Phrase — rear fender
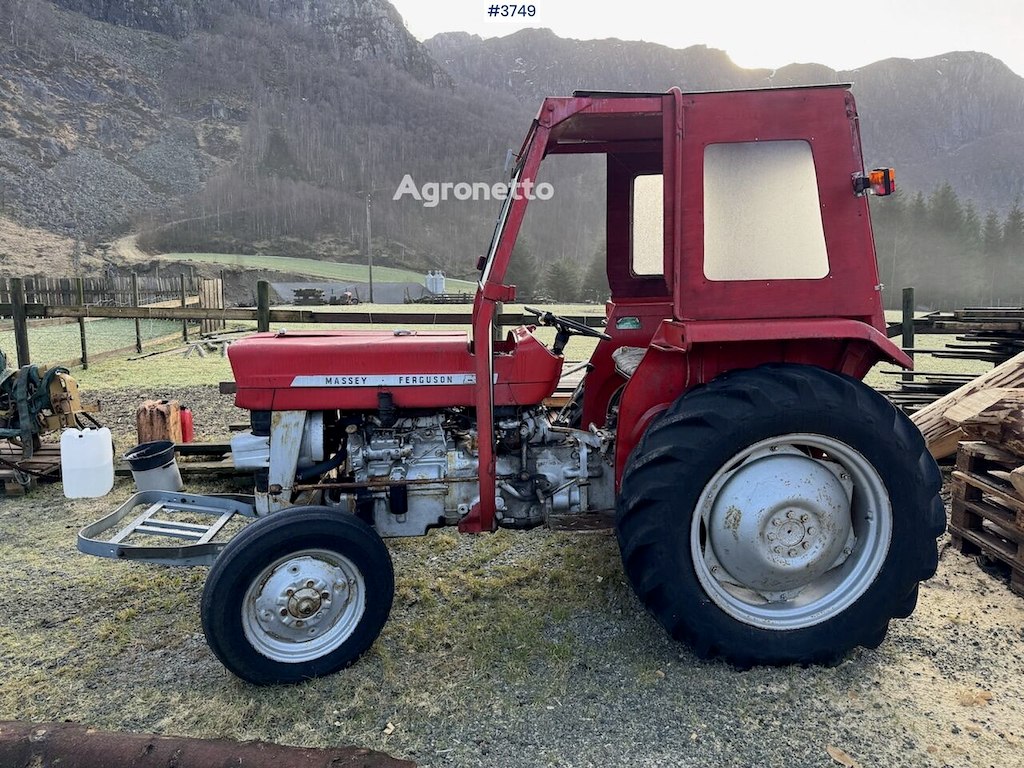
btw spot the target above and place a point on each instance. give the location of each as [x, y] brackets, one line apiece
[686, 355]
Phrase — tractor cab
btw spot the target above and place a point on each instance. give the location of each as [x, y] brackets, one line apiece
[738, 234]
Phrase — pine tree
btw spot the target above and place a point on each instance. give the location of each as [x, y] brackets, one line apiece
[1013, 235]
[944, 211]
[522, 270]
[971, 228]
[991, 236]
[562, 280]
[595, 279]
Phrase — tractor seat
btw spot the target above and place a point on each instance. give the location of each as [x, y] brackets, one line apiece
[627, 360]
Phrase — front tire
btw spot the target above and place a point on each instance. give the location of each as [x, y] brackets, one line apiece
[297, 595]
[780, 514]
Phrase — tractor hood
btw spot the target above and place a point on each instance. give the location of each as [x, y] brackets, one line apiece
[346, 370]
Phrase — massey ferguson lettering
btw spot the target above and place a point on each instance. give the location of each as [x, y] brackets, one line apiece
[390, 380]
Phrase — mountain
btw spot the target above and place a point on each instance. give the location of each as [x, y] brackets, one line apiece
[956, 117]
[261, 125]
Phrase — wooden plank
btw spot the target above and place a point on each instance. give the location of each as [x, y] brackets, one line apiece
[211, 296]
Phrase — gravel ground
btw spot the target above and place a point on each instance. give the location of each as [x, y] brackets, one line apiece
[513, 649]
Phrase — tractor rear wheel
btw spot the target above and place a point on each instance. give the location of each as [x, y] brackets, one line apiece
[781, 514]
[296, 595]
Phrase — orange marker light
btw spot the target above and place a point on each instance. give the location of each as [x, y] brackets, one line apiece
[883, 181]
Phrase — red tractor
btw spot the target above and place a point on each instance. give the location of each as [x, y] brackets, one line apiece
[770, 507]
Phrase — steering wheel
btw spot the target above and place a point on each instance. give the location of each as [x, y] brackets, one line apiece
[565, 328]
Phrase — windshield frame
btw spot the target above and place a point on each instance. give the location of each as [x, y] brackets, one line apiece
[503, 215]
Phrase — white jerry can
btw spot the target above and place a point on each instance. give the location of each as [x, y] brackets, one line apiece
[86, 462]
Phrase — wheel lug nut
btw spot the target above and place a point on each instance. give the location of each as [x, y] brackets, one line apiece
[325, 595]
[289, 592]
[791, 553]
[803, 518]
[309, 583]
[300, 623]
[284, 611]
[771, 537]
[804, 544]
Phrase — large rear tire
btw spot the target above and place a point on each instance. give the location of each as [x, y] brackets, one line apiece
[297, 595]
[781, 514]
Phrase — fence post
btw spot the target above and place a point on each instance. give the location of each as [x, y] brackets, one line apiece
[184, 303]
[20, 321]
[80, 296]
[262, 306]
[908, 326]
[135, 303]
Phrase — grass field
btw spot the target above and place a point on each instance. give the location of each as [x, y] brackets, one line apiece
[325, 269]
[60, 343]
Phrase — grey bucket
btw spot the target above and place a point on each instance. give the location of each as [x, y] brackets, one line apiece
[153, 466]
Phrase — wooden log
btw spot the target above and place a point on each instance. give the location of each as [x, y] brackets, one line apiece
[158, 420]
[931, 418]
[78, 746]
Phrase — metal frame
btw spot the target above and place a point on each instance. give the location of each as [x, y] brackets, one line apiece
[202, 551]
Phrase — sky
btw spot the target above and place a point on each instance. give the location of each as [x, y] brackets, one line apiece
[842, 35]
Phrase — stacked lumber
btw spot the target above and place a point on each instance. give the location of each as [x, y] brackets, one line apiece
[985, 334]
[942, 422]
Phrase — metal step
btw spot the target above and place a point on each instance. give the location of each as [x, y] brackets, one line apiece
[157, 519]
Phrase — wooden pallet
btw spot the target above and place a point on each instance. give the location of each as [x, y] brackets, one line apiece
[45, 461]
[987, 515]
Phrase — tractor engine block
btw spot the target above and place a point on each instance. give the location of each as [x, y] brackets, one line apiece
[421, 471]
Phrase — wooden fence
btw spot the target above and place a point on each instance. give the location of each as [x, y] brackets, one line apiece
[15, 304]
[21, 311]
[32, 301]
[114, 291]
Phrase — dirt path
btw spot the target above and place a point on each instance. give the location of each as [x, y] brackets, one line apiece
[126, 249]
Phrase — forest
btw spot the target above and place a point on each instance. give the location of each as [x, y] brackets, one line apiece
[952, 254]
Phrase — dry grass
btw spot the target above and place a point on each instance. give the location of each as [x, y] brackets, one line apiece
[119, 645]
[26, 251]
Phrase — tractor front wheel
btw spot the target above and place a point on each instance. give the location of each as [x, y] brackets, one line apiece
[297, 595]
[780, 514]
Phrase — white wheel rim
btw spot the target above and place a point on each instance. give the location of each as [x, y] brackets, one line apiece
[791, 531]
[303, 606]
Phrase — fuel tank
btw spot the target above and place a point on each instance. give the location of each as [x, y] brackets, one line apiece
[346, 370]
